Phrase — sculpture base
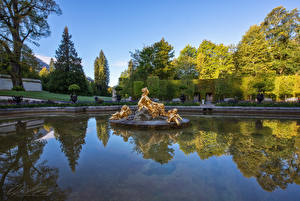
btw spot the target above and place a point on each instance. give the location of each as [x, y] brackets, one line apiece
[152, 124]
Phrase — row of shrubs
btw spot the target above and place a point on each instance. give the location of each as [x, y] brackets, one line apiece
[243, 88]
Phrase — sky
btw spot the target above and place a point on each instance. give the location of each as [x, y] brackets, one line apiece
[120, 26]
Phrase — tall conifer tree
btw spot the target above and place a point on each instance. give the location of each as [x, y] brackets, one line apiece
[101, 74]
[68, 68]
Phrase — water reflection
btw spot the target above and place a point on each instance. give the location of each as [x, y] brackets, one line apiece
[152, 144]
[102, 130]
[70, 132]
[267, 150]
[23, 175]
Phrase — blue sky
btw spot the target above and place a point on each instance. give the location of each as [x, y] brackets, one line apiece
[120, 26]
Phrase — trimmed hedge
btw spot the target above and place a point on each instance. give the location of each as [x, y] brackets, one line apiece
[245, 88]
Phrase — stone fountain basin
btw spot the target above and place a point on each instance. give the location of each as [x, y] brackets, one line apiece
[152, 124]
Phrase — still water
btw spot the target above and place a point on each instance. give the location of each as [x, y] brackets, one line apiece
[215, 159]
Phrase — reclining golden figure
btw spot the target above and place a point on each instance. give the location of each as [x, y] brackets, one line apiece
[155, 109]
[124, 113]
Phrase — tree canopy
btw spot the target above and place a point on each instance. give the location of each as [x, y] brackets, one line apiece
[23, 21]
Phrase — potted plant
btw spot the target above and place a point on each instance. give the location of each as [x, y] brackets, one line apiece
[73, 88]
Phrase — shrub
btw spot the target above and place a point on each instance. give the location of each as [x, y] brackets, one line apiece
[137, 89]
[18, 88]
[153, 86]
[73, 88]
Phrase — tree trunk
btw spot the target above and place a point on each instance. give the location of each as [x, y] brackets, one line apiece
[16, 75]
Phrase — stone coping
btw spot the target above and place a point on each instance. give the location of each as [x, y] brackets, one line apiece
[189, 109]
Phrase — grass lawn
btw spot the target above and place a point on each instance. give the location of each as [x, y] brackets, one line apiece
[49, 96]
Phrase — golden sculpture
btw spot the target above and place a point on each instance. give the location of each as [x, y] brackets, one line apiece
[173, 116]
[155, 109]
[124, 113]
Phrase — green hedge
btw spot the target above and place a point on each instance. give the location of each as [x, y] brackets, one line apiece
[137, 89]
[245, 88]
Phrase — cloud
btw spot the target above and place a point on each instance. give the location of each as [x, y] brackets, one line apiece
[119, 64]
[45, 59]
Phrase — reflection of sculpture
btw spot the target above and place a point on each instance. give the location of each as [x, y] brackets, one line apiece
[173, 116]
[124, 113]
[155, 109]
[152, 144]
[149, 110]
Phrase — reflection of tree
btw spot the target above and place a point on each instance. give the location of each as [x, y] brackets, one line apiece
[70, 132]
[102, 130]
[23, 176]
[268, 150]
[152, 144]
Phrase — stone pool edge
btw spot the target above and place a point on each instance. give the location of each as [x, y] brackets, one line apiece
[184, 109]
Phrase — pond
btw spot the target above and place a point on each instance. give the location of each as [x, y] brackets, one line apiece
[82, 158]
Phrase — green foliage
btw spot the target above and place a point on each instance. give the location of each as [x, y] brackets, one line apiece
[163, 92]
[186, 64]
[285, 86]
[153, 60]
[153, 86]
[137, 87]
[282, 30]
[18, 88]
[214, 61]
[73, 88]
[23, 21]
[101, 74]
[253, 53]
[68, 69]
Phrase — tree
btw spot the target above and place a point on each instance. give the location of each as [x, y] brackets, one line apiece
[21, 21]
[282, 32]
[185, 65]
[214, 61]
[253, 53]
[101, 74]
[68, 69]
[154, 60]
[44, 72]
[51, 65]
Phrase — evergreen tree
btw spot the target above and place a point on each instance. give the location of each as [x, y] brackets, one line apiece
[51, 65]
[101, 74]
[68, 69]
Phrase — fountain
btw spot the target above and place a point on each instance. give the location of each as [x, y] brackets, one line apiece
[149, 114]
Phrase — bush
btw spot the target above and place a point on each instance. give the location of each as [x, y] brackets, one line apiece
[59, 81]
[73, 88]
[137, 89]
[153, 86]
[18, 88]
